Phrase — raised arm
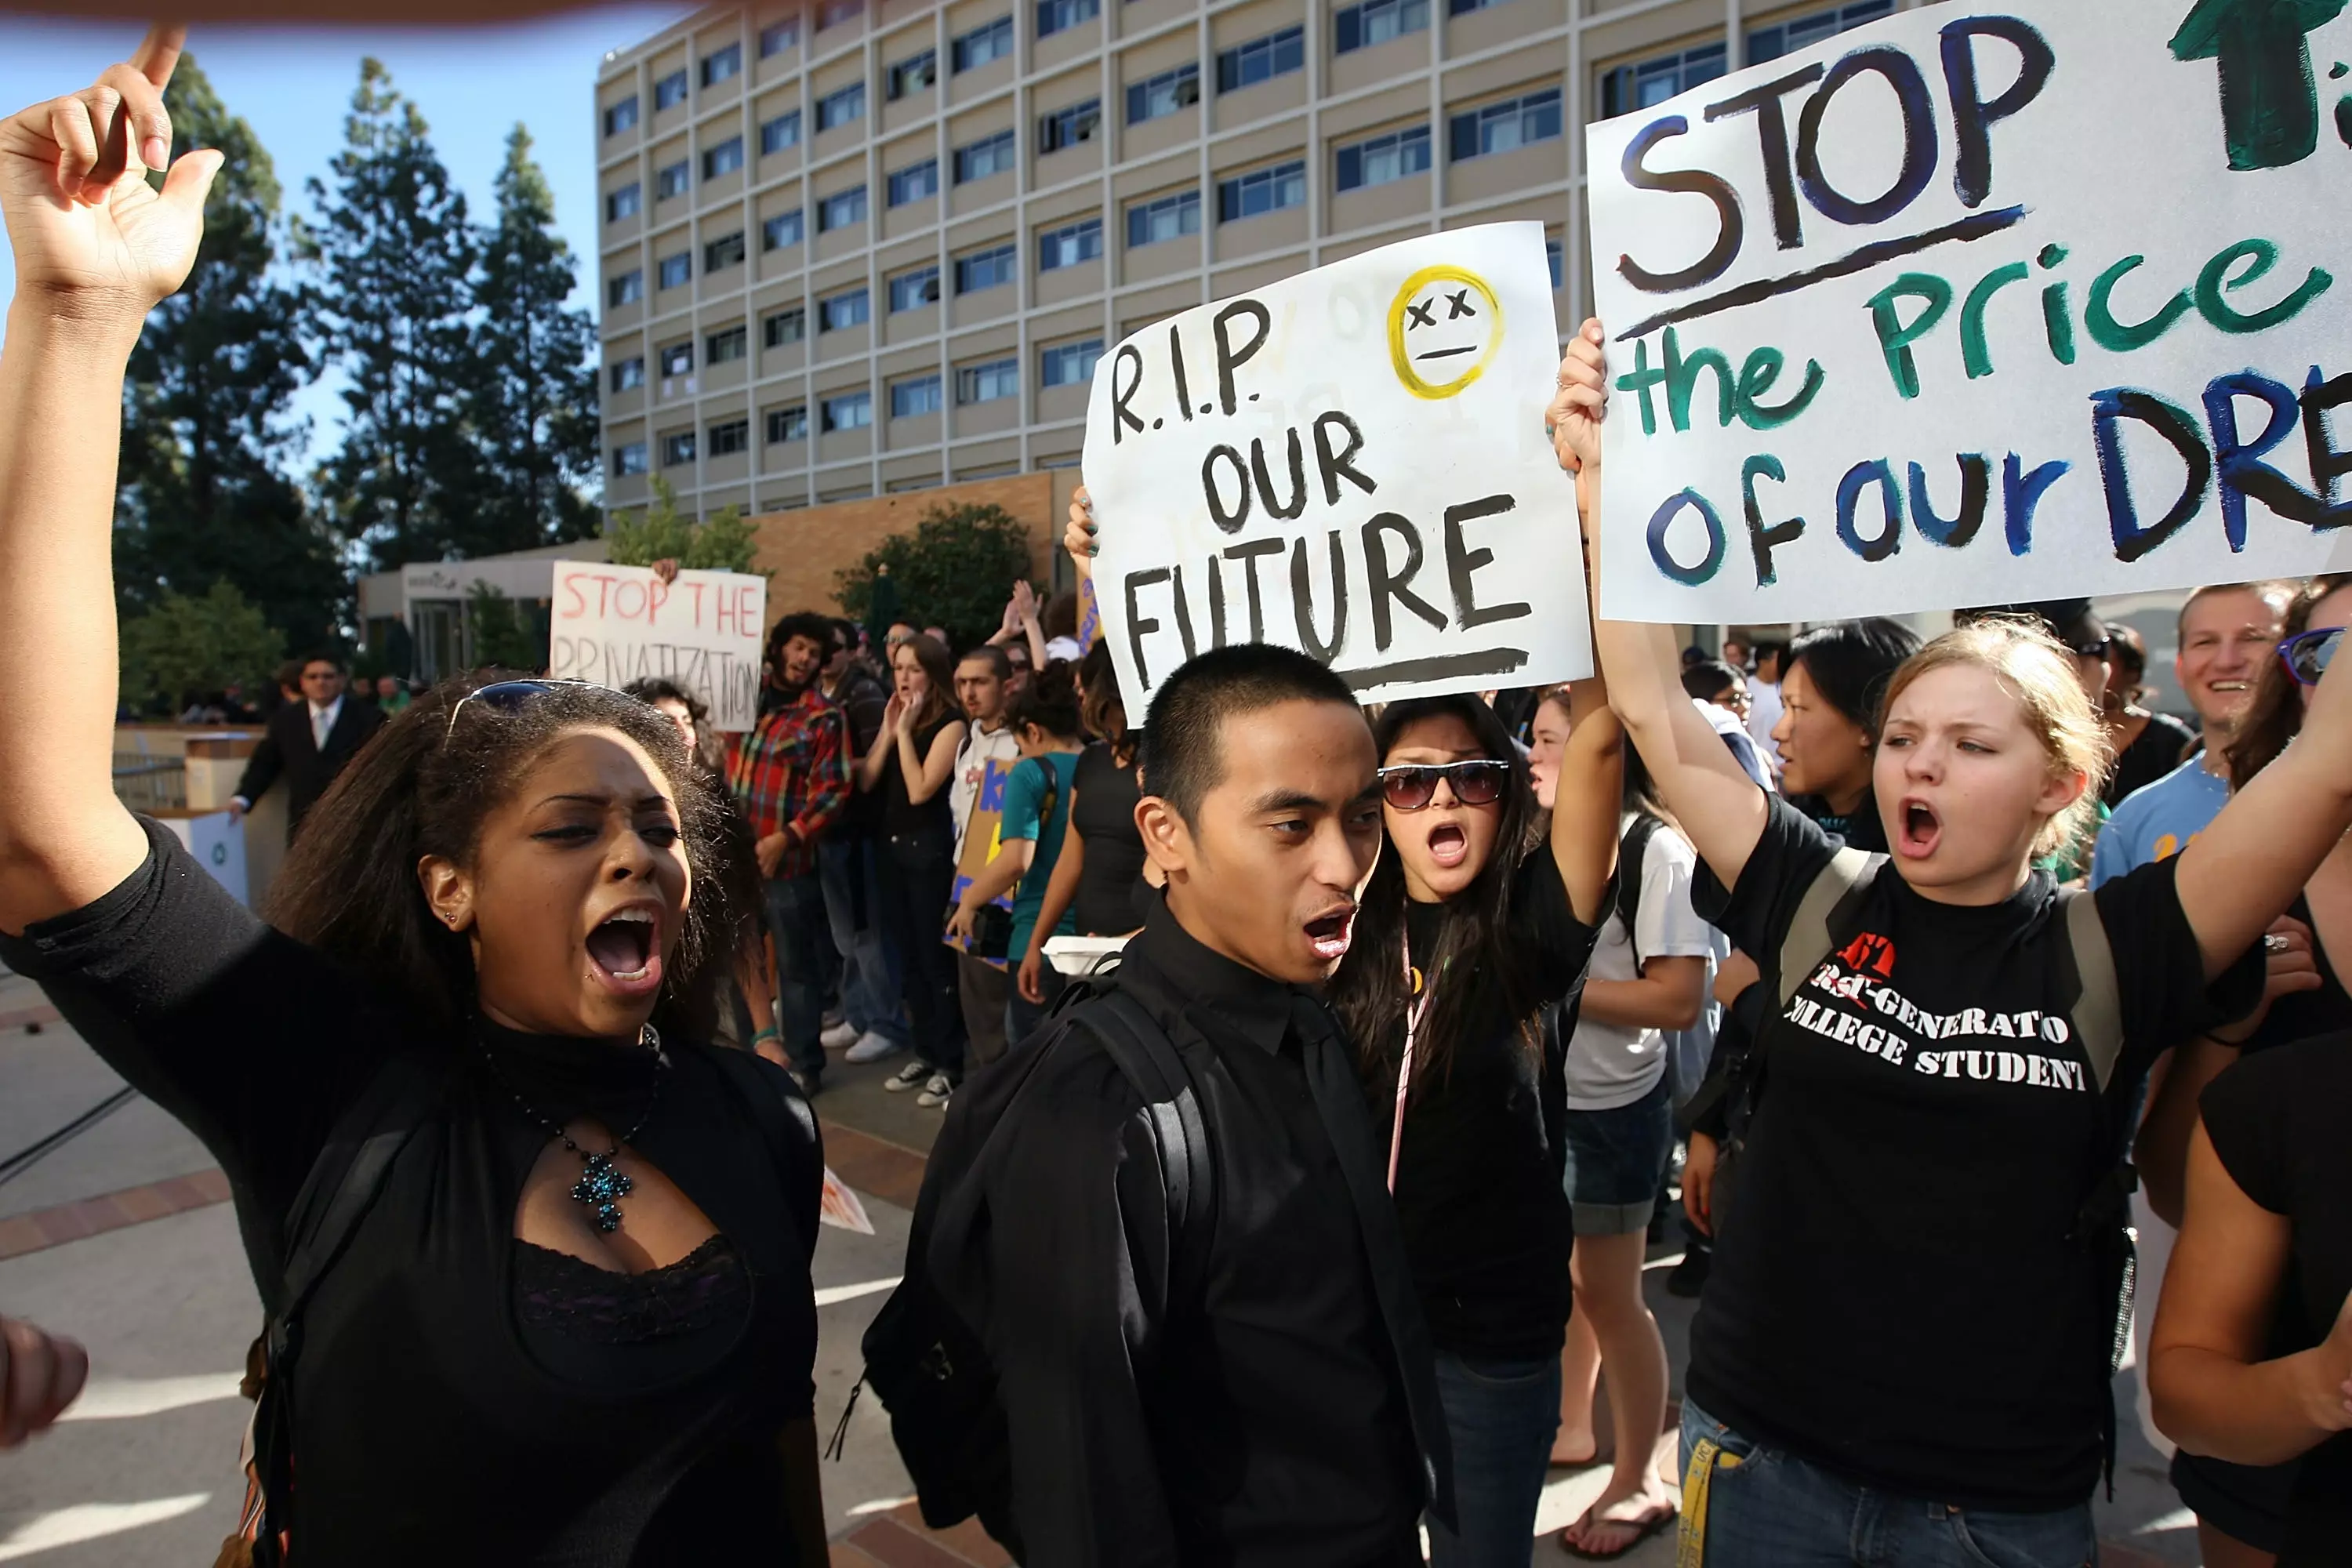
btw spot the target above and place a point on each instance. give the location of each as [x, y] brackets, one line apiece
[1585, 804]
[95, 248]
[877, 760]
[1701, 783]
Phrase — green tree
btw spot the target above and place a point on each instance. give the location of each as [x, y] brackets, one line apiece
[396, 255]
[531, 405]
[190, 645]
[721, 542]
[503, 634]
[954, 570]
[203, 497]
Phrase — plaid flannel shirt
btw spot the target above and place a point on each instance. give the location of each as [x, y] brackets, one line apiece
[793, 771]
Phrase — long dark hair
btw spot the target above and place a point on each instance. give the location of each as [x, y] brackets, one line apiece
[1475, 948]
[2276, 716]
[349, 885]
[1101, 709]
[938, 668]
[1049, 700]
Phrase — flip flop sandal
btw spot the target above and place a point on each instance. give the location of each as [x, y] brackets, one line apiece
[1643, 1528]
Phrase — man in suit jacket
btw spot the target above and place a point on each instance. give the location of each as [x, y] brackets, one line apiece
[309, 741]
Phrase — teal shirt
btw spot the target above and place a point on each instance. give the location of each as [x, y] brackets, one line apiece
[1024, 802]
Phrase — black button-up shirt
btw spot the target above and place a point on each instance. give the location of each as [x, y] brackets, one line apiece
[1262, 1421]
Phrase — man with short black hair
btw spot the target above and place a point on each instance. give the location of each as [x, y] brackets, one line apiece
[308, 741]
[983, 691]
[1277, 1407]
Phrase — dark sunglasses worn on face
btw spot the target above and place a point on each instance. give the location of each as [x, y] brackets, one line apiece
[2308, 654]
[1410, 787]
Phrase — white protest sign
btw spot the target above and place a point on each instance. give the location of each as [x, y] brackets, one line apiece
[613, 624]
[1351, 462]
[1976, 305]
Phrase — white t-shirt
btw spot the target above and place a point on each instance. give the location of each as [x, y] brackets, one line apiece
[980, 748]
[1609, 1065]
[1764, 717]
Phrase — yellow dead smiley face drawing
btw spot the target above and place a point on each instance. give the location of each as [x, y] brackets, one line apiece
[1445, 325]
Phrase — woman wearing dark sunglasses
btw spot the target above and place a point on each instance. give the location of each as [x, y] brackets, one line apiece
[1475, 920]
[572, 1322]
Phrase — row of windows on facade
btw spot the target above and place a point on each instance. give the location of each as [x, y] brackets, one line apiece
[1357, 26]
[1378, 159]
[1065, 364]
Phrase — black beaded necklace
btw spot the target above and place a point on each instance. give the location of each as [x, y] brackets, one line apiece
[601, 1185]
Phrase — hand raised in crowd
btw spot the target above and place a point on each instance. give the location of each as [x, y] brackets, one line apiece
[2289, 965]
[40, 1374]
[898, 715]
[1078, 537]
[1574, 414]
[1024, 608]
[91, 234]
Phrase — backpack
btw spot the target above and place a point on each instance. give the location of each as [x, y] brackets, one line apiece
[926, 1365]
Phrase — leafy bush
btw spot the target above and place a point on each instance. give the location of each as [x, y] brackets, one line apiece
[954, 570]
[193, 646]
[660, 533]
[504, 635]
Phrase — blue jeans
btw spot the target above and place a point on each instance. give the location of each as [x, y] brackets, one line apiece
[1749, 1504]
[796, 920]
[848, 870]
[1501, 1416]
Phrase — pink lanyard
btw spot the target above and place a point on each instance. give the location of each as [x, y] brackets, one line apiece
[1413, 1016]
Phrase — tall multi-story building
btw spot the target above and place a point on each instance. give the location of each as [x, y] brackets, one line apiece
[878, 245]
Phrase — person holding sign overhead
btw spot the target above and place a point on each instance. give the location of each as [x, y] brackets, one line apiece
[1907, 1337]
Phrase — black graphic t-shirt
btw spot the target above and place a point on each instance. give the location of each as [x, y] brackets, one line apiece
[1894, 1295]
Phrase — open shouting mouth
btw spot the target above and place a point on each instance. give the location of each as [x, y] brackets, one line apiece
[625, 950]
[1448, 844]
[1330, 933]
[1917, 830]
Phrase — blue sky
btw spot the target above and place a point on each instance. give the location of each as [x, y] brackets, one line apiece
[294, 86]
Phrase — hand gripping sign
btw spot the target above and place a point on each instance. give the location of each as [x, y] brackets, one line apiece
[1979, 305]
[1351, 462]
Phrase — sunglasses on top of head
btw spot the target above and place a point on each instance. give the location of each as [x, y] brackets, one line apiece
[506, 695]
[2307, 655]
[1410, 787]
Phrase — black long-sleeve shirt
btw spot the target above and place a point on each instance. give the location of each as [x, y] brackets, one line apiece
[1258, 1419]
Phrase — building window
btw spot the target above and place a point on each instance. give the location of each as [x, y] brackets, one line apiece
[1170, 218]
[986, 270]
[1068, 127]
[622, 116]
[1072, 364]
[841, 209]
[1552, 254]
[782, 131]
[836, 11]
[1055, 16]
[1463, 8]
[838, 109]
[1262, 191]
[915, 182]
[847, 310]
[850, 411]
[920, 394]
[626, 201]
[784, 326]
[725, 251]
[629, 458]
[1377, 21]
[984, 159]
[1384, 158]
[670, 92]
[981, 45]
[987, 383]
[673, 181]
[783, 229]
[628, 373]
[778, 36]
[723, 159]
[677, 448]
[720, 64]
[1069, 245]
[677, 359]
[735, 435]
[1787, 37]
[913, 290]
[1262, 59]
[913, 74]
[676, 269]
[1629, 88]
[1163, 94]
[731, 344]
[627, 289]
[787, 424]
[1500, 127]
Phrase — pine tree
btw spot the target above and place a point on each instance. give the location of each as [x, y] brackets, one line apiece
[204, 499]
[532, 404]
[392, 310]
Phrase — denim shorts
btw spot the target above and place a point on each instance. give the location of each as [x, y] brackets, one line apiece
[1614, 1160]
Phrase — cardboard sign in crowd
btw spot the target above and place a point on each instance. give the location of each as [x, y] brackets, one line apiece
[613, 624]
[1973, 305]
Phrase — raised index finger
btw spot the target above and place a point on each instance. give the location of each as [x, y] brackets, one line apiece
[158, 54]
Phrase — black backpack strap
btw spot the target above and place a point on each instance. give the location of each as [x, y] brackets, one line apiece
[1148, 1059]
[1633, 851]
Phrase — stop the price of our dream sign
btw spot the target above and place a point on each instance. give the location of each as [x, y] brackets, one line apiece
[1351, 462]
[1976, 305]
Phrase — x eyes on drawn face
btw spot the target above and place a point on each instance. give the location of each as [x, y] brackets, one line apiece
[1444, 327]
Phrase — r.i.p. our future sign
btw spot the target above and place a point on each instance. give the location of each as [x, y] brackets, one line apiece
[1972, 306]
[1351, 462]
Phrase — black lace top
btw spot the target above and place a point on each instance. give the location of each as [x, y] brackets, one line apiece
[584, 1322]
